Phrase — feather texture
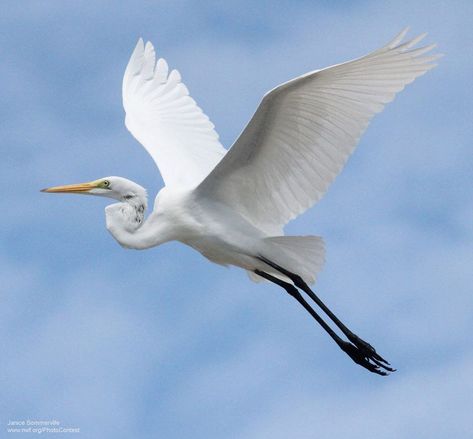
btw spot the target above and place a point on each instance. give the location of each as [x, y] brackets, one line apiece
[166, 120]
[304, 130]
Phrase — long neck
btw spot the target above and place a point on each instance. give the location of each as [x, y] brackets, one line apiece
[125, 221]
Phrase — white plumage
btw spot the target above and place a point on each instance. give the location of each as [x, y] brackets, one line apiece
[232, 207]
[304, 131]
[228, 205]
[167, 121]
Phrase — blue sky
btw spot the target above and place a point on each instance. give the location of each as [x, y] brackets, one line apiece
[161, 344]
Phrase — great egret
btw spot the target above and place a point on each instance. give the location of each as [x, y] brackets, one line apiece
[232, 206]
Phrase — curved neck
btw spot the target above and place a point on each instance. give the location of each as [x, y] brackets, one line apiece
[125, 221]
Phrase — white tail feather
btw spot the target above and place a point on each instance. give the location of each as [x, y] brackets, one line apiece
[302, 255]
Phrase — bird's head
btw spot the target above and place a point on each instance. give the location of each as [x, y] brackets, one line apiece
[118, 188]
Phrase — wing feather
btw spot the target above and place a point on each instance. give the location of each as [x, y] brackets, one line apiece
[304, 130]
[167, 121]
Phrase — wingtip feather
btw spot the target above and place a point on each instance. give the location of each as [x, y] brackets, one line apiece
[161, 70]
[134, 63]
[148, 46]
[140, 43]
[398, 38]
[414, 41]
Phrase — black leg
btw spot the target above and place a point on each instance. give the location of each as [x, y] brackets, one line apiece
[353, 351]
[357, 341]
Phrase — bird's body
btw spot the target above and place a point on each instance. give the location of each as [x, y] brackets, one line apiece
[232, 206]
[202, 224]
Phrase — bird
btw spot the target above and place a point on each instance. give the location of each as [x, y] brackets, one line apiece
[232, 205]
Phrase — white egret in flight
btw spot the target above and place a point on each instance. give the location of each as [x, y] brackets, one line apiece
[231, 206]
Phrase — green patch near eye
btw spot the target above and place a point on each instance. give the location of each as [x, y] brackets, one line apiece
[105, 184]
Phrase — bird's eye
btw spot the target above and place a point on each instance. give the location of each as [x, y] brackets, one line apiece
[106, 183]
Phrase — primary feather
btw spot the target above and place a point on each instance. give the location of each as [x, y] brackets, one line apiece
[167, 121]
[303, 132]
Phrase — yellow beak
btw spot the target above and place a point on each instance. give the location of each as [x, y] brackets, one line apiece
[73, 188]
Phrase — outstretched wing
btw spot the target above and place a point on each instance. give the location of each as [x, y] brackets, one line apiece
[304, 131]
[167, 121]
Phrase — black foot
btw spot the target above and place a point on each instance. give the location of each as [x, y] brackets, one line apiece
[369, 352]
[358, 350]
[366, 358]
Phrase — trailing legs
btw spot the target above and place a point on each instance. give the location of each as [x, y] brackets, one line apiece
[359, 351]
